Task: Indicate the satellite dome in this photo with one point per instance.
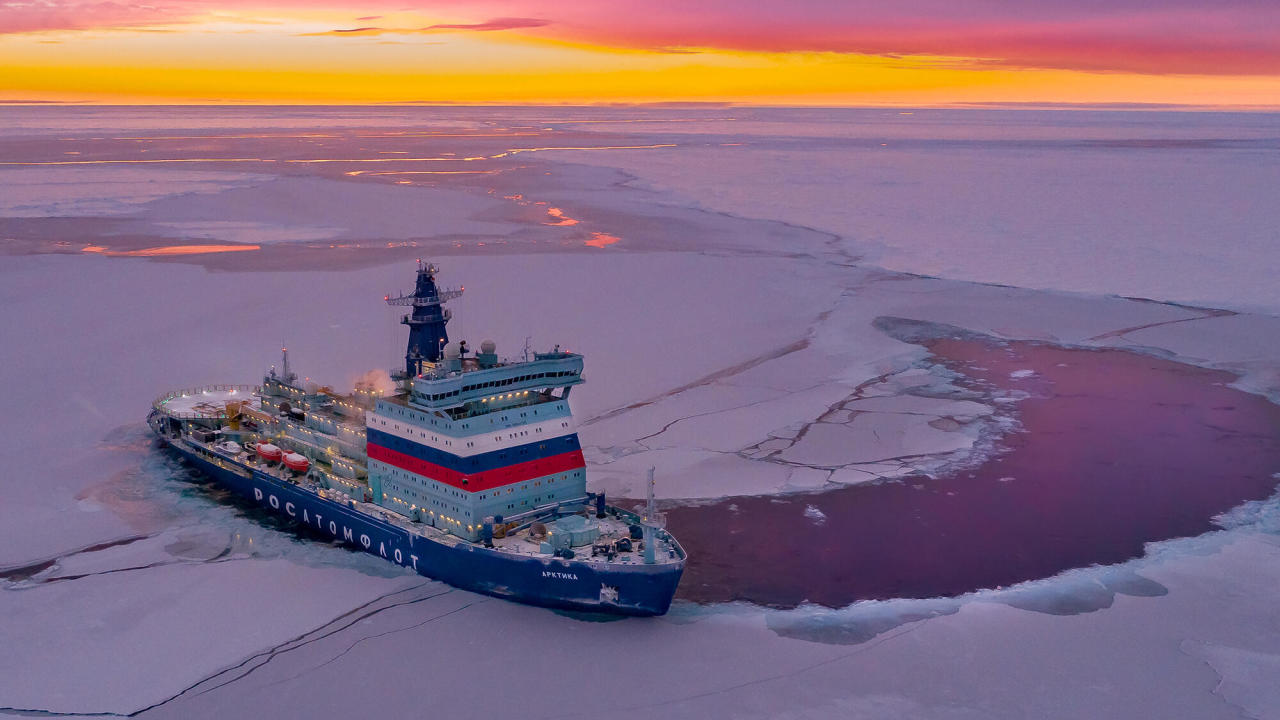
(487, 347)
(451, 350)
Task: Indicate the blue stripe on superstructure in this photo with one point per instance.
(483, 461)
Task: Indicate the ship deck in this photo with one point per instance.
(206, 403)
(611, 528)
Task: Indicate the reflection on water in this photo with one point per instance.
(260, 136)
(1118, 450)
(141, 162)
(372, 160)
(356, 173)
(169, 250)
(515, 151)
(611, 121)
(316, 161)
(415, 134)
(561, 220)
(599, 240)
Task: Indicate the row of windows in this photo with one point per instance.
(504, 417)
(424, 481)
(522, 378)
(421, 434)
(410, 413)
(449, 443)
(436, 503)
(496, 493)
(536, 501)
(495, 383)
(512, 436)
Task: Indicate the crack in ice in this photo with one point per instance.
(266, 656)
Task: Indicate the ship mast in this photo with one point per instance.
(288, 375)
(651, 522)
(427, 320)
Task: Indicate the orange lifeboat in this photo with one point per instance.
(268, 452)
(296, 462)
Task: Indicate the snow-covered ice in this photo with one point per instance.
(1164, 206)
(734, 362)
(75, 191)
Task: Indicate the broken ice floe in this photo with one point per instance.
(813, 513)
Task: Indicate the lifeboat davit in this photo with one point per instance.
(296, 462)
(268, 452)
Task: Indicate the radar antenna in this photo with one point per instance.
(427, 319)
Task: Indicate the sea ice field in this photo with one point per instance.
(959, 413)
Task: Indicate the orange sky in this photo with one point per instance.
(854, 52)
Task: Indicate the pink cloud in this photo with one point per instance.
(51, 15)
(501, 23)
(490, 25)
(1171, 36)
(1174, 36)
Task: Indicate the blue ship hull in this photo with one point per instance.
(550, 582)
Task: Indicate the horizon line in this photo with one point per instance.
(658, 104)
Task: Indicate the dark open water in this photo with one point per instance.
(1120, 449)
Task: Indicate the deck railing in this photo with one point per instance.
(159, 403)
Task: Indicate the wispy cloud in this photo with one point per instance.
(502, 23)
(44, 15)
(1168, 37)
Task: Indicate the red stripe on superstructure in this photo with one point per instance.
(481, 481)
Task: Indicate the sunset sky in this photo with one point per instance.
(807, 52)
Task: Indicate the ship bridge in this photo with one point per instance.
(498, 384)
(472, 436)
